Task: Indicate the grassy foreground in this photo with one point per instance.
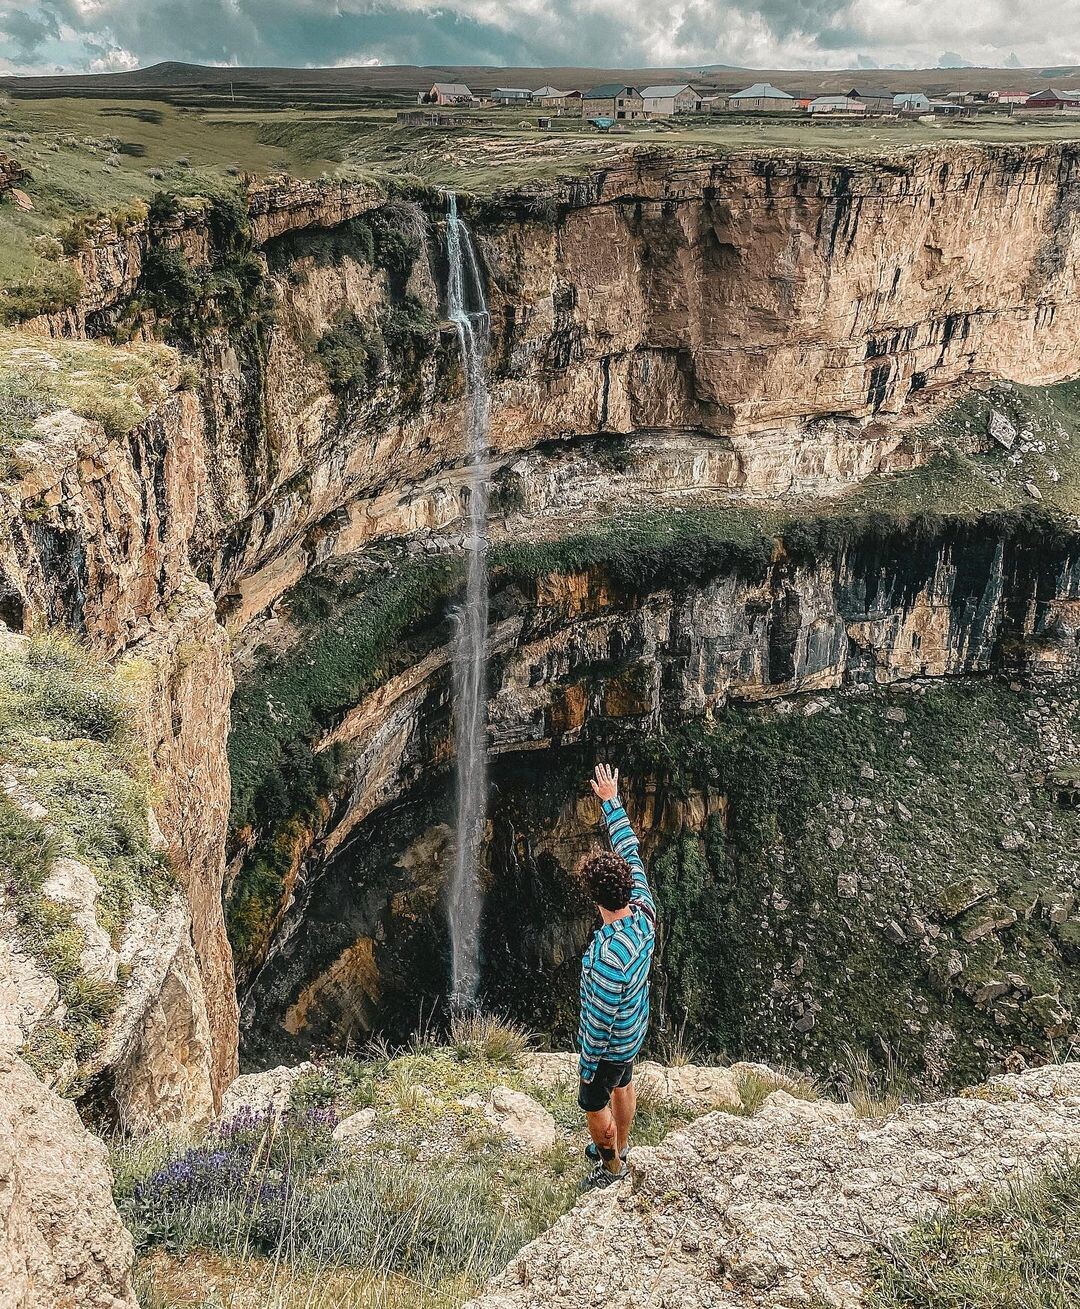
(1016, 1250)
(418, 1209)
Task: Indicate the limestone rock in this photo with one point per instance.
(73, 885)
(785, 1207)
(266, 1090)
(354, 1129)
(62, 1243)
(549, 1069)
(691, 1085)
(28, 995)
(521, 1118)
(1001, 430)
(781, 1106)
(159, 1050)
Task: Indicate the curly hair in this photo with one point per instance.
(606, 879)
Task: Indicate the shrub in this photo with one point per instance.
(352, 354)
(476, 1035)
(340, 1082)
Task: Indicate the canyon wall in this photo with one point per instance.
(676, 331)
(585, 661)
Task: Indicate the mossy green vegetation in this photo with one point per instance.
(809, 920)
(184, 304)
(76, 785)
(1011, 1250)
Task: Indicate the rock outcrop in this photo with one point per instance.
(782, 1209)
(98, 531)
(61, 1240)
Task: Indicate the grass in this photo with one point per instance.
(1010, 1250)
(117, 388)
(103, 157)
(422, 1214)
(67, 740)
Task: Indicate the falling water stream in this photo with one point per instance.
(468, 312)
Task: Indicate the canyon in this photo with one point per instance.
(782, 460)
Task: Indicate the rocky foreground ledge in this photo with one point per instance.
(785, 1207)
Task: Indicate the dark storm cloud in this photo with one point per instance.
(761, 33)
(27, 32)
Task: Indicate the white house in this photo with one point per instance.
(446, 93)
(762, 97)
(512, 95)
(911, 102)
(837, 104)
(663, 101)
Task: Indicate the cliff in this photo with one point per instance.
(756, 335)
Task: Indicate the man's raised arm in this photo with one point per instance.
(622, 836)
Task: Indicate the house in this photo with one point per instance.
(837, 104)
(950, 109)
(911, 102)
(877, 99)
(446, 93)
(715, 104)
(1009, 97)
(762, 97)
(663, 101)
(1052, 100)
(803, 98)
(550, 97)
(612, 101)
(512, 95)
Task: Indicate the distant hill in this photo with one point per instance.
(196, 84)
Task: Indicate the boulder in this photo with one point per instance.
(521, 1118)
(267, 1090)
(62, 1244)
(783, 1107)
(690, 1085)
(356, 1128)
(773, 1211)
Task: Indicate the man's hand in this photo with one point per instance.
(605, 783)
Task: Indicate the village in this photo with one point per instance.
(610, 105)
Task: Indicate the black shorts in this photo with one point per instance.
(594, 1096)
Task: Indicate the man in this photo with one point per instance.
(614, 985)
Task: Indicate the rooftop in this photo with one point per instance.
(761, 91)
(656, 92)
(607, 91)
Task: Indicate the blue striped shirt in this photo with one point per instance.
(615, 969)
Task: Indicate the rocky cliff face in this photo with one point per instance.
(583, 661)
(61, 1240)
(728, 332)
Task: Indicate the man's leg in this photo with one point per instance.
(623, 1106)
(603, 1131)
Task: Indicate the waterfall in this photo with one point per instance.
(468, 312)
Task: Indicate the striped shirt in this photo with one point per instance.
(615, 969)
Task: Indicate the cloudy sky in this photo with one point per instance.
(105, 35)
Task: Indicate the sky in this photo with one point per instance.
(38, 36)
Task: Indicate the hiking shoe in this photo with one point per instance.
(599, 1176)
(593, 1154)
